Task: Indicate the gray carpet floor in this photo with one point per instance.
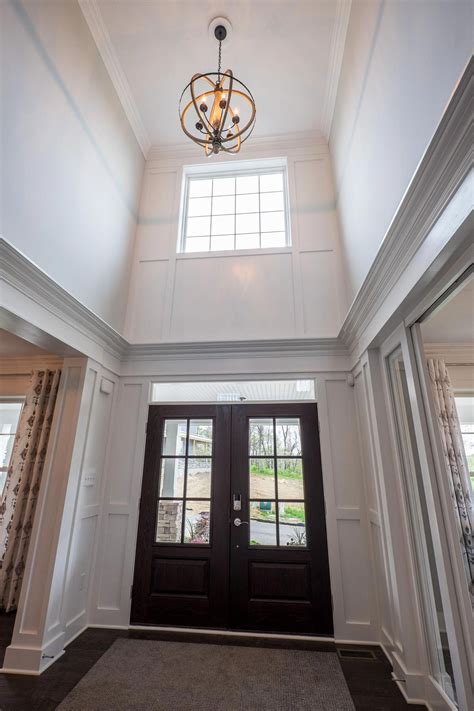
(147, 675)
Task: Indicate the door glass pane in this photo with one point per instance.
(169, 522)
(289, 527)
(184, 479)
(292, 524)
(174, 437)
(172, 477)
(288, 437)
(200, 438)
(197, 522)
(262, 523)
(290, 479)
(262, 478)
(421, 526)
(261, 437)
(199, 478)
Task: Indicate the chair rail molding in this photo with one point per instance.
(444, 168)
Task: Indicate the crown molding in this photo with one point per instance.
(233, 349)
(336, 55)
(27, 278)
(90, 10)
(313, 141)
(444, 167)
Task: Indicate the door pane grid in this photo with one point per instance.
(187, 483)
(276, 485)
(276, 441)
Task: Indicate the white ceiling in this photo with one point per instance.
(288, 52)
(454, 321)
(14, 347)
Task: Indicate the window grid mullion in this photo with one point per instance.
(185, 483)
(212, 211)
(259, 218)
(235, 214)
(275, 474)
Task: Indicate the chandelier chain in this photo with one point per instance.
(219, 60)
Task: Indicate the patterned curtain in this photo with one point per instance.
(18, 504)
(456, 463)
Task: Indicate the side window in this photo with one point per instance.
(10, 410)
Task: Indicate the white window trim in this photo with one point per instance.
(232, 169)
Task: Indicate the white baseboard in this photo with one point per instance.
(31, 672)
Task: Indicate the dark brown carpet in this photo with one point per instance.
(147, 675)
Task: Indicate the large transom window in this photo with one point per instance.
(244, 210)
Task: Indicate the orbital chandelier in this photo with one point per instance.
(216, 110)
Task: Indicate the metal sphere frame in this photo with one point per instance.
(214, 132)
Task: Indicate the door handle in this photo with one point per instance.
(238, 522)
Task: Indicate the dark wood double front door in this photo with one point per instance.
(232, 527)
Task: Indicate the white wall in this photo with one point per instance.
(281, 293)
(71, 166)
(401, 64)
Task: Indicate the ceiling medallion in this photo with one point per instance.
(223, 106)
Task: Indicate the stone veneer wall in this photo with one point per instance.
(168, 528)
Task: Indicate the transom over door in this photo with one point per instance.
(232, 528)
